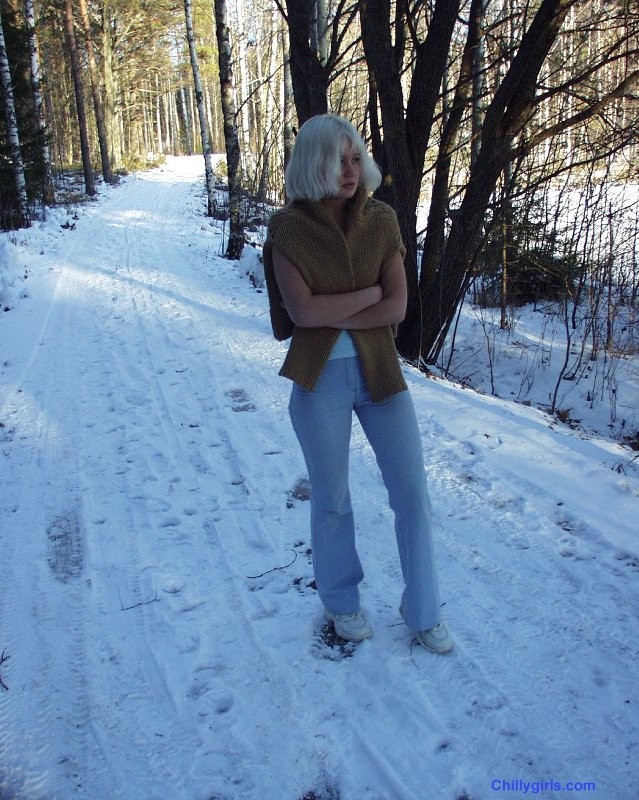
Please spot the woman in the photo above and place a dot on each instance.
(336, 281)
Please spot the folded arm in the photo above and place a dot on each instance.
(309, 310)
(391, 308)
(381, 304)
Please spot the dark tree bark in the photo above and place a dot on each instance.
(21, 213)
(315, 48)
(435, 236)
(406, 133)
(96, 94)
(505, 118)
(309, 76)
(447, 262)
(72, 46)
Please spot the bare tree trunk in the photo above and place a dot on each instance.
(406, 127)
(269, 135)
(113, 116)
(478, 56)
(242, 90)
(506, 244)
(309, 76)
(287, 102)
(199, 99)
(21, 219)
(72, 45)
(48, 193)
(504, 120)
(184, 114)
(435, 237)
(95, 91)
(236, 231)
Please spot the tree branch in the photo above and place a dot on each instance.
(3, 658)
(622, 90)
(155, 599)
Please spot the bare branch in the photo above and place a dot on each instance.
(155, 599)
(3, 658)
(624, 89)
(262, 574)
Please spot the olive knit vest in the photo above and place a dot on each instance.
(331, 261)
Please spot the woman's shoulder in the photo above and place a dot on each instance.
(381, 225)
(378, 215)
(293, 213)
(377, 209)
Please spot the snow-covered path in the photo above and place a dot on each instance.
(161, 632)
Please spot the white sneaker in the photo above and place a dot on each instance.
(352, 627)
(436, 639)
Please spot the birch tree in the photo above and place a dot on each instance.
(48, 194)
(201, 110)
(21, 216)
(236, 231)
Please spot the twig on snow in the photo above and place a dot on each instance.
(3, 658)
(155, 599)
(286, 566)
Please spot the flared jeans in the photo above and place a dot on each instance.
(322, 420)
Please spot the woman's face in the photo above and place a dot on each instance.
(351, 171)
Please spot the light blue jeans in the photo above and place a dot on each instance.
(322, 420)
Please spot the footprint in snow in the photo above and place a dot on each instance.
(240, 401)
(65, 546)
(299, 493)
(331, 647)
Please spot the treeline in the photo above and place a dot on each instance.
(487, 118)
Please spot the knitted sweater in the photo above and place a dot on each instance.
(332, 261)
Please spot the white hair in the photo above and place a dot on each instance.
(315, 165)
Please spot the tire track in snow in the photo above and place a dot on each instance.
(236, 537)
(184, 465)
(158, 478)
(48, 519)
(234, 519)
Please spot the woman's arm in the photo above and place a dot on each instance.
(307, 310)
(391, 309)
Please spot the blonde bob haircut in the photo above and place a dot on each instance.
(315, 165)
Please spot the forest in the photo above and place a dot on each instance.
(507, 132)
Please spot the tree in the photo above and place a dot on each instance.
(199, 99)
(48, 193)
(78, 84)
(316, 48)
(501, 111)
(236, 231)
(309, 75)
(95, 93)
(505, 118)
(406, 130)
(21, 214)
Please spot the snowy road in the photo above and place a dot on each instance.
(148, 480)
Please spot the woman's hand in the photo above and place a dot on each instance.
(307, 310)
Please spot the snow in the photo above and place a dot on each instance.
(161, 637)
